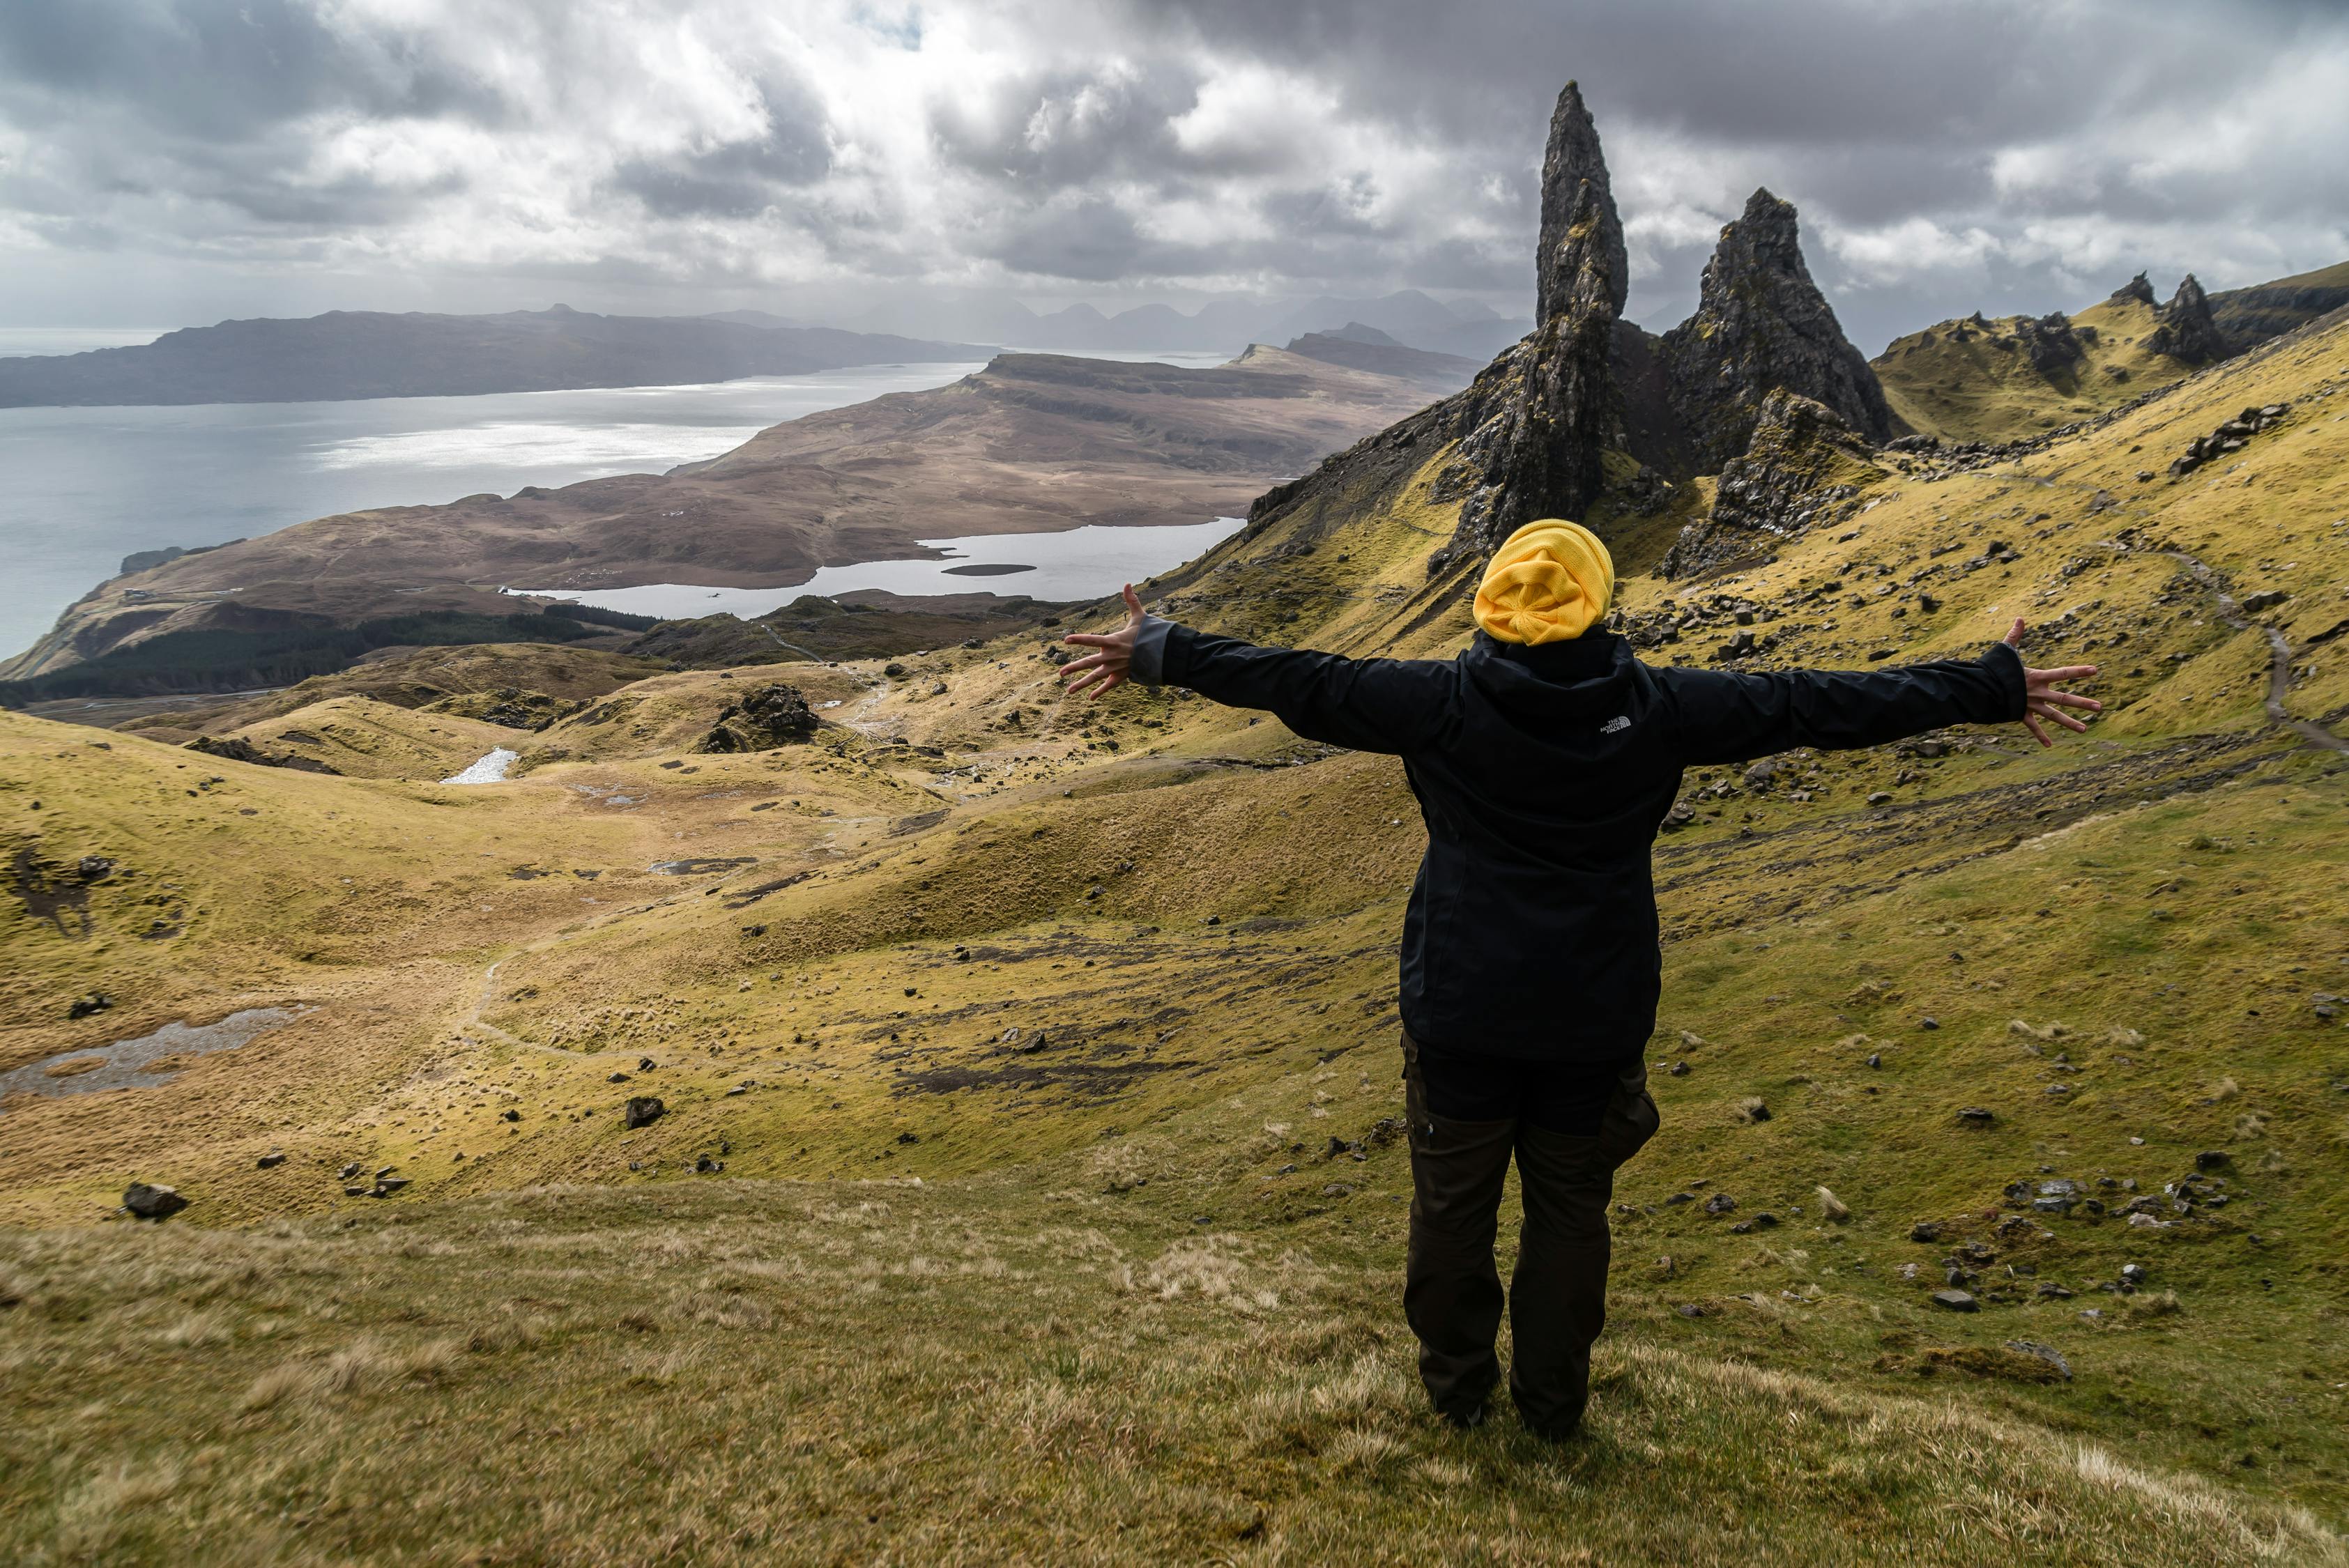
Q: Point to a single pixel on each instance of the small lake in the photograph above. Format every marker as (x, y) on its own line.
(1075, 563)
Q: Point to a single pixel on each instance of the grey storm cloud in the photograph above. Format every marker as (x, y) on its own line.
(1944, 157)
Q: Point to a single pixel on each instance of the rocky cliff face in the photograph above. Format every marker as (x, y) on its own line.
(1533, 427)
(1802, 466)
(2184, 329)
(1760, 323)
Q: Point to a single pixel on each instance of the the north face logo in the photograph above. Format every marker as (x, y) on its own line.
(1619, 722)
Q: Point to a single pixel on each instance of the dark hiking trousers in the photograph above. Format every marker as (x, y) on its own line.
(1569, 1126)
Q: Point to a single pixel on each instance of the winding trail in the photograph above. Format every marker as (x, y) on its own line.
(2230, 612)
(2280, 655)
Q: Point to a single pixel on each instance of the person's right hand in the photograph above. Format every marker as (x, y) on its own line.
(2041, 698)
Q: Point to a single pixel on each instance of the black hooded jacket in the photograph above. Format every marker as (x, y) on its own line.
(1543, 774)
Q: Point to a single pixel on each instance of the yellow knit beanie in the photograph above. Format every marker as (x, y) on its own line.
(1549, 581)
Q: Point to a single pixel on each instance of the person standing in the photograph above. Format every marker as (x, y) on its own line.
(1544, 757)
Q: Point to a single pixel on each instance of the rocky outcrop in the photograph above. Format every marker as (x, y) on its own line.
(2184, 328)
(1804, 466)
(772, 716)
(1534, 427)
(2051, 344)
(2137, 289)
(2232, 436)
(236, 748)
(1761, 324)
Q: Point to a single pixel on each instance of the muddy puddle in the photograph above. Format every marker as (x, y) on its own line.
(142, 1062)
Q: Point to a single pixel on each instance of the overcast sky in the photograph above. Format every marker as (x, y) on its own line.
(172, 162)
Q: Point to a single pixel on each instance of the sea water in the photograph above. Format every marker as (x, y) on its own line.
(86, 486)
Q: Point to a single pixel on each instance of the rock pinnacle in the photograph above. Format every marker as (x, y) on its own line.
(1760, 323)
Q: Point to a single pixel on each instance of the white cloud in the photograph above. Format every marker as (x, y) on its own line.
(685, 154)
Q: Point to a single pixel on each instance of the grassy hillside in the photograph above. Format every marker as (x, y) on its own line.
(1051, 1047)
(1978, 380)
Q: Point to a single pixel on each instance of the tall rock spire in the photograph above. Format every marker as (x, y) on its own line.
(1761, 324)
(1538, 422)
(1580, 261)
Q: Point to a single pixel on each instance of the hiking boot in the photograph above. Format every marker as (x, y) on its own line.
(1467, 1418)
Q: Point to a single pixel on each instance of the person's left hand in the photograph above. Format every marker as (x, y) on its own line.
(2041, 698)
(1105, 670)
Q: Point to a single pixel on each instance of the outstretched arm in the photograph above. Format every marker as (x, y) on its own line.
(1731, 718)
(1366, 705)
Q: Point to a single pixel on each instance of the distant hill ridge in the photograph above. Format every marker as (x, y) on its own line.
(373, 354)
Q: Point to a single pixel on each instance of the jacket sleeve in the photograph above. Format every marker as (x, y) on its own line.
(1728, 717)
(1394, 706)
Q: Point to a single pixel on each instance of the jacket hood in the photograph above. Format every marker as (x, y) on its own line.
(1553, 682)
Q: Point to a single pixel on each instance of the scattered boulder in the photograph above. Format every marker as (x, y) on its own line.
(1956, 1300)
(642, 1110)
(385, 1186)
(269, 1161)
(2046, 1353)
(1720, 1203)
(151, 1201)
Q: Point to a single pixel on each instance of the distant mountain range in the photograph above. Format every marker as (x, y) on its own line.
(1411, 318)
(371, 353)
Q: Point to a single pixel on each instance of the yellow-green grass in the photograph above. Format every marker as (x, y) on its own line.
(1965, 382)
(1036, 1370)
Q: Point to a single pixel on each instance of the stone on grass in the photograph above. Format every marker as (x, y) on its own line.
(269, 1160)
(642, 1110)
(1956, 1300)
(148, 1201)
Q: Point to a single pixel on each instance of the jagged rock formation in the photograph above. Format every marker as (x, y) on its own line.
(2051, 344)
(2137, 289)
(1534, 427)
(2186, 330)
(1760, 323)
(1804, 465)
(772, 716)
